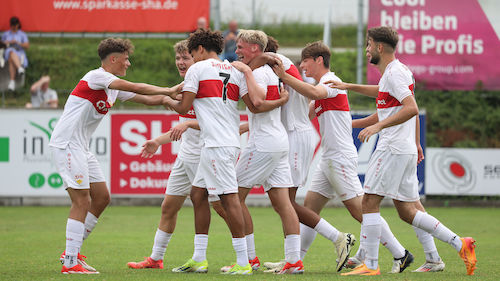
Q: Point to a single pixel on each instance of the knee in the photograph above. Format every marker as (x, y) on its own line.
(103, 200)
(81, 202)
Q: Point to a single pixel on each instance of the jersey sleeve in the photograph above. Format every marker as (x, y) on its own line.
(331, 92)
(260, 77)
(100, 80)
(24, 38)
(401, 85)
(191, 80)
(124, 95)
(242, 84)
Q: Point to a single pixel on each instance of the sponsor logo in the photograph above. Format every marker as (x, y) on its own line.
(454, 172)
(381, 102)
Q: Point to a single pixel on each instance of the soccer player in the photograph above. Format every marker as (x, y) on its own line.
(337, 173)
(87, 104)
(392, 169)
(213, 88)
(265, 159)
(183, 171)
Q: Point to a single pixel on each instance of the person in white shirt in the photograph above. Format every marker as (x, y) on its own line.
(41, 95)
(392, 169)
(83, 178)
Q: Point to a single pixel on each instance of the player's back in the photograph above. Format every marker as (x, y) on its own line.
(218, 87)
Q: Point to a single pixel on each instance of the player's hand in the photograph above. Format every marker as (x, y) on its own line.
(337, 84)
(284, 95)
(420, 154)
(278, 68)
(167, 102)
(177, 89)
(149, 148)
(177, 131)
(243, 128)
(241, 66)
(367, 132)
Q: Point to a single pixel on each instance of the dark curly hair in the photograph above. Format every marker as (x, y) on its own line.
(209, 40)
(272, 45)
(114, 45)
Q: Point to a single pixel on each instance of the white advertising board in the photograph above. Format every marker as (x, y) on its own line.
(462, 171)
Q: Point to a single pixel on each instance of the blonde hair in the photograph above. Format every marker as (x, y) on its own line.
(253, 37)
(181, 46)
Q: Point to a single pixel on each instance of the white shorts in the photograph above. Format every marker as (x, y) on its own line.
(392, 175)
(181, 179)
(270, 169)
(78, 168)
(337, 177)
(300, 155)
(216, 171)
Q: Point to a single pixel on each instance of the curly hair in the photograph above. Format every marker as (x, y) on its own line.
(272, 45)
(315, 50)
(181, 46)
(384, 34)
(114, 45)
(209, 40)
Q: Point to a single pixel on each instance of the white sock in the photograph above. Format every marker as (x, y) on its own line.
(437, 229)
(327, 230)
(372, 228)
(250, 246)
(90, 222)
(240, 247)
(307, 236)
(160, 245)
(361, 253)
(427, 241)
(200, 247)
(292, 248)
(388, 240)
(74, 240)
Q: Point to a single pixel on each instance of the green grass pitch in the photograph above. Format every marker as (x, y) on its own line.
(32, 238)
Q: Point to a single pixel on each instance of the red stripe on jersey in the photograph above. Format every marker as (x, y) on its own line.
(272, 93)
(338, 103)
(190, 114)
(385, 100)
(98, 98)
(213, 89)
(294, 72)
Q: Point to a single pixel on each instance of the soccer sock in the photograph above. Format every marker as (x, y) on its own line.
(327, 230)
(372, 229)
(437, 229)
(240, 247)
(292, 248)
(427, 241)
(160, 245)
(250, 246)
(388, 240)
(90, 222)
(200, 247)
(307, 236)
(361, 253)
(74, 240)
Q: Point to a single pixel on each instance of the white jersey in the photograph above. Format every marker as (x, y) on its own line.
(395, 85)
(335, 121)
(191, 143)
(266, 131)
(294, 113)
(85, 108)
(218, 87)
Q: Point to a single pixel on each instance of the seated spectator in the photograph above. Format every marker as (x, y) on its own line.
(16, 41)
(230, 42)
(41, 95)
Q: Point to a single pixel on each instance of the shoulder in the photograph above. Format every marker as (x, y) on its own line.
(329, 76)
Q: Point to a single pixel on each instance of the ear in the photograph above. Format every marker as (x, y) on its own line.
(319, 60)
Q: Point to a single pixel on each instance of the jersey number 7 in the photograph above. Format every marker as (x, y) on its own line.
(225, 82)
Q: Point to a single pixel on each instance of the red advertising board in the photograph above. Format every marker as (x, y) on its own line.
(448, 44)
(105, 15)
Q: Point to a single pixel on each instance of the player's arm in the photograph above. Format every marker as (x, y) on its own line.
(267, 105)
(420, 151)
(409, 110)
(312, 112)
(150, 147)
(180, 128)
(256, 94)
(367, 90)
(144, 89)
(313, 92)
(244, 127)
(262, 59)
(147, 100)
(182, 106)
(365, 122)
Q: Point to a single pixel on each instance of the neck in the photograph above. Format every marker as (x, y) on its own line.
(211, 55)
(322, 71)
(384, 61)
(108, 68)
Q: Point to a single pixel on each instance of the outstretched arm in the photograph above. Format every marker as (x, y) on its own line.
(367, 90)
(150, 147)
(182, 106)
(144, 89)
(148, 100)
(365, 122)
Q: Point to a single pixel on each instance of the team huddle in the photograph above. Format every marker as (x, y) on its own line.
(212, 170)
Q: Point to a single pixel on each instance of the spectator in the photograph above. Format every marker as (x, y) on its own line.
(230, 42)
(16, 41)
(201, 23)
(41, 95)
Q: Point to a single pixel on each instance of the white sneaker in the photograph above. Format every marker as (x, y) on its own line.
(429, 266)
(20, 70)
(274, 267)
(343, 245)
(353, 263)
(12, 85)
